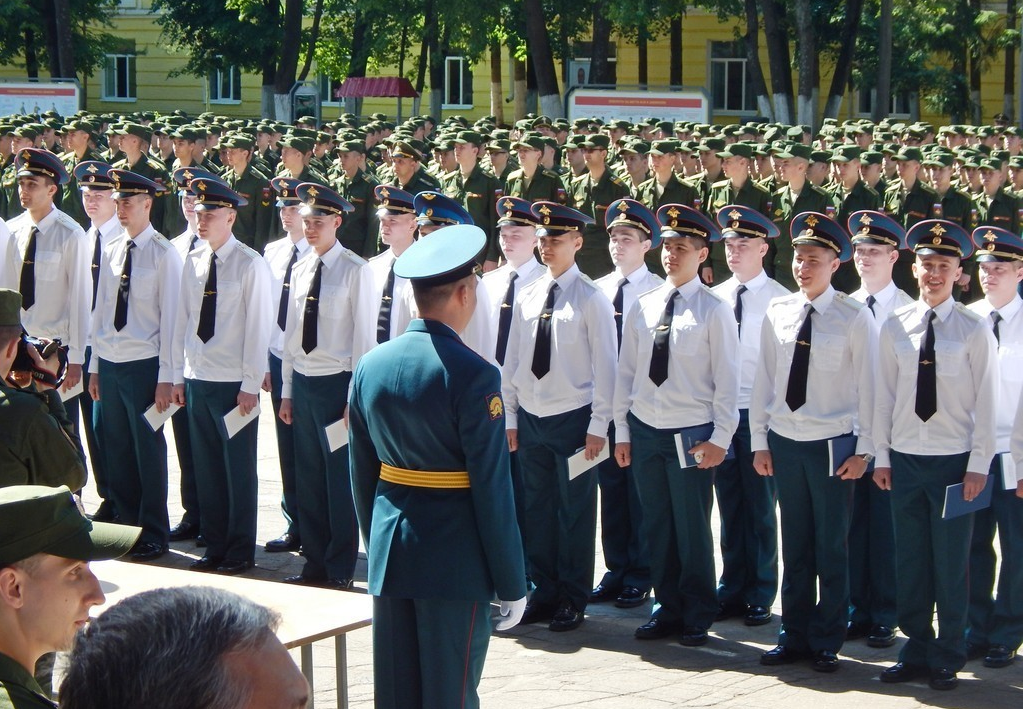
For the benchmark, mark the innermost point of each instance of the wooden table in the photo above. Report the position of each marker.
(307, 614)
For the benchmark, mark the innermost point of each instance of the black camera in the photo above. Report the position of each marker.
(23, 361)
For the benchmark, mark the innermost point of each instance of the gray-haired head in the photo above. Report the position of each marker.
(166, 649)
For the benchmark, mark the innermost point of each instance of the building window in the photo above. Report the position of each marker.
(731, 86)
(900, 108)
(457, 83)
(119, 78)
(225, 85)
(328, 91)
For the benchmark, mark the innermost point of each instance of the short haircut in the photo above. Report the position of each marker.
(166, 649)
(9, 333)
(429, 297)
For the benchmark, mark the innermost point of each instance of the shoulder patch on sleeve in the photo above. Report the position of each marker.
(495, 406)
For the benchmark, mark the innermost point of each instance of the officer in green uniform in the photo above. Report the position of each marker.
(256, 219)
(532, 181)
(446, 493)
(796, 196)
(475, 189)
(591, 193)
(135, 143)
(908, 201)
(45, 547)
(737, 188)
(38, 445)
(359, 229)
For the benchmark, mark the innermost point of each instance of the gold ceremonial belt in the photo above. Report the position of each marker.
(424, 478)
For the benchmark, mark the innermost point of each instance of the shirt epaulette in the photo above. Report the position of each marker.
(618, 180)
(551, 174)
(720, 183)
(353, 257)
(969, 313)
(65, 219)
(515, 174)
(249, 251)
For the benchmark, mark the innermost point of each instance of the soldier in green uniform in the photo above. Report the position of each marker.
(664, 187)
(79, 134)
(10, 203)
(591, 193)
(531, 181)
(477, 190)
(134, 144)
(46, 587)
(736, 188)
(954, 205)
(359, 229)
(409, 175)
(255, 222)
(850, 194)
(908, 201)
(461, 520)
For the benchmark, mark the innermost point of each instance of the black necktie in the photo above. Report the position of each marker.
(282, 308)
(619, 305)
(505, 318)
(926, 379)
(542, 347)
(795, 395)
(123, 286)
(312, 311)
(738, 306)
(996, 317)
(871, 300)
(94, 234)
(208, 311)
(28, 272)
(384, 318)
(662, 336)
(193, 242)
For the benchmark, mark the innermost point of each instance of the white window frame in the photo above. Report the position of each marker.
(131, 77)
(715, 64)
(215, 79)
(900, 100)
(326, 86)
(465, 66)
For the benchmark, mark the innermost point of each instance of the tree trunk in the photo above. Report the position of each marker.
(542, 59)
(287, 66)
(65, 48)
(843, 65)
(52, 52)
(600, 66)
(752, 42)
(675, 51)
(807, 38)
(402, 52)
(360, 55)
(496, 85)
(314, 36)
(975, 72)
(641, 48)
(779, 59)
(438, 50)
(1010, 64)
(883, 97)
(520, 88)
(266, 99)
(429, 29)
(31, 58)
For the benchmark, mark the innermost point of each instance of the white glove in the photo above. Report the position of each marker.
(512, 612)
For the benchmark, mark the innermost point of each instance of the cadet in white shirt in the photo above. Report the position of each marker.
(281, 256)
(633, 232)
(934, 426)
(398, 230)
(813, 385)
(676, 377)
(995, 623)
(876, 240)
(132, 367)
(96, 188)
(558, 381)
(47, 261)
(329, 328)
(221, 339)
(747, 502)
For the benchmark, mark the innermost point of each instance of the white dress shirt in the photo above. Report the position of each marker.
(967, 377)
(583, 357)
(346, 326)
(63, 281)
(480, 335)
(237, 350)
(886, 300)
(641, 281)
(702, 384)
(496, 283)
(152, 303)
(840, 376)
(1010, 364)
(185, 242)
(401, 313)
(278, 256)
(760, 291)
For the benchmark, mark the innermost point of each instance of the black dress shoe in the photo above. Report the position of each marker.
(566, 618)
(856, 631)
(285, 542)
(183, 531)
(881, 636)
(207, 563)
(902, 672)
(302, 580)
(602, 593)
(200, 542)
(105, 512)
(781, 655)
(655, 629)
(147, 551)
(825, 661)
(943, 680)
(630, 597)
(693, 637)
(999, 656)
(338, 584)
(537, 613)
(758, 615)
(975, 651)
(233, 568)
(730, 610)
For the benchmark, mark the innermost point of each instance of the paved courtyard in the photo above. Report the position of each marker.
(601, 666)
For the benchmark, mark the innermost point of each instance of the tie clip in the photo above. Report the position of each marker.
(545, 316)
(209, 292)
(662, 328)
(926, 361)
(505, 305)
(801, 342)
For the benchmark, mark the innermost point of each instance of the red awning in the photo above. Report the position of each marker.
(366, 86)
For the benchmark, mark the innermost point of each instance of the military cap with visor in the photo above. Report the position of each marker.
(816, 229)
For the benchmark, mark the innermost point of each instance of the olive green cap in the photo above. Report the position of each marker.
(10, 308)
(45, 520)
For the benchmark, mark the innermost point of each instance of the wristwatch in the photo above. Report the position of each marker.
(867, 458)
